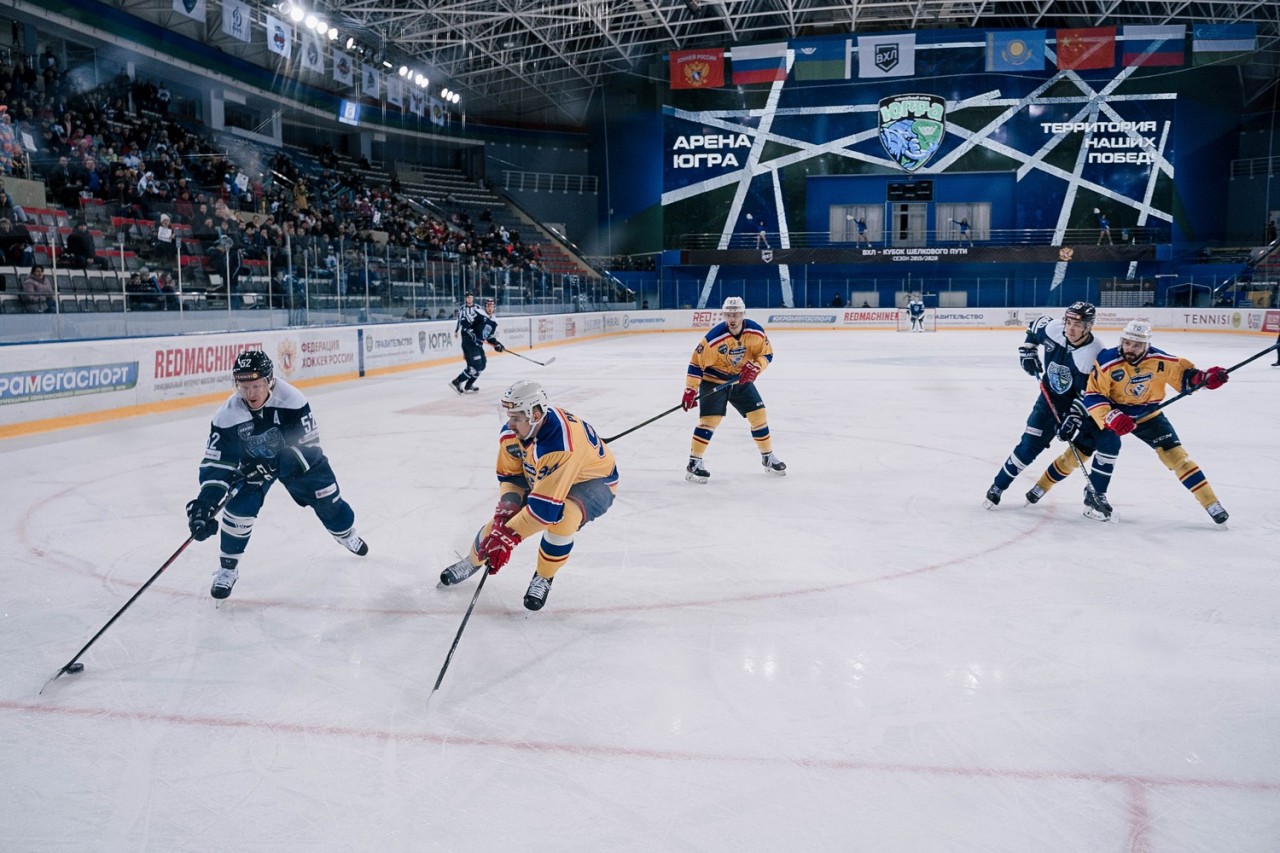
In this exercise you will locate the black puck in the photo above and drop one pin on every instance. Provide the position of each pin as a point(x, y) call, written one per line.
point(75, 667)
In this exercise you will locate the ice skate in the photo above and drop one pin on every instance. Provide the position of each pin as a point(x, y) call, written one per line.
point(1217, 513)
point(353, 543)
point(458, 572)
point(1097, 506)
point(536, 595)
point(455, 385)
point(224, 579)
point(694, 472)
point(993, 497)
point(470, 387)
point(773, 464)
point(1035, 495)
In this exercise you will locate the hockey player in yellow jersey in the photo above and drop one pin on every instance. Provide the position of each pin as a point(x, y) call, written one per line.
point(1125, 389)
point(554, 476)
point(735, 351)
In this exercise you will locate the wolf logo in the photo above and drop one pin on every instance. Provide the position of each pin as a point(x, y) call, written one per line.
point(912, 128)
point(422, 341)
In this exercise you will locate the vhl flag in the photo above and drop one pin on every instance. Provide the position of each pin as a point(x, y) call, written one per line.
point(191, 8)
point(887, 56)
point(279, 37)
point(395, 91)
point(438, 113)
point(417, 103)
point(235, 19)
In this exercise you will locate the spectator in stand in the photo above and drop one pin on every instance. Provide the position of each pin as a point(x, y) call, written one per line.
point(163, 97)
point(81, 251)
point(37, 292)
point(164, 244)
point(15, 243)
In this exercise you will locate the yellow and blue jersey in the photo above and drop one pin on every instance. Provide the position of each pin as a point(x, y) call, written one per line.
point(564, 451)
point(1135, 389)
point(720, 354)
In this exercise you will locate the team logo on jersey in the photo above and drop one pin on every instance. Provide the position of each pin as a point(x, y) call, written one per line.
point(1117, 375)
point(1059, 376)
point(287, 356)
point(912, 128)
point(1139, 385)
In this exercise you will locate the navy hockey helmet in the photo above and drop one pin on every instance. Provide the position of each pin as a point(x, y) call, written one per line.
point(1084, 311)
point(253, 364)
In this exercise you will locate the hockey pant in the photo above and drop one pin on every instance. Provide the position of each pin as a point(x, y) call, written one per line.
point(712, 409)
point(316, 487)
point(1036, 436)
point(585, 502)
point(476, 362)
point(1158, 434)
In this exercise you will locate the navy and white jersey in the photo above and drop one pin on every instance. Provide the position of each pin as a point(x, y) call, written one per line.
point(1066, 367)
point(466, 316)
point(915, 308)
point(480, 328)
point(282, 433)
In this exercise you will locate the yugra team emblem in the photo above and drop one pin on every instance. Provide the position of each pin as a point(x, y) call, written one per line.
point(912, 128)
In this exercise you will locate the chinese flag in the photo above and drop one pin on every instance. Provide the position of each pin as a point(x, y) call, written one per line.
point(1080, 50)
point(697, 69)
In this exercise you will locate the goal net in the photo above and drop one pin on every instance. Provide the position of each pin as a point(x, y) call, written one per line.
point(929, 323)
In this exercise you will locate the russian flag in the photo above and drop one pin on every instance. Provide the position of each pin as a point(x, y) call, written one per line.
point(1160, 45)
point(759, 63)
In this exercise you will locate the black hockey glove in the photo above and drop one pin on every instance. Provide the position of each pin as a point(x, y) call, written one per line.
point(1030, 360)
point(258, 473)
point(200, 520)
point(497, 346)
point(1071, 424)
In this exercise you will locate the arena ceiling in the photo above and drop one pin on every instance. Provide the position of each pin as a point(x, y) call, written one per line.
point(548, 61)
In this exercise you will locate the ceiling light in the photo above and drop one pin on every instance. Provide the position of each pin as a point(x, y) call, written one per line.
point(295, 14)
point(404, 71)
point(311, 22)
point(351, 42)
point(333, 33)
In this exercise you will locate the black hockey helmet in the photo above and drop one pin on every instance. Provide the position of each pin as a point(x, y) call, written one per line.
point(253, 364)
point(1084, 311)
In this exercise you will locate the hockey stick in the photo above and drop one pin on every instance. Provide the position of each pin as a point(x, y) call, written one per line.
point(674, 408)
point(534, 360)
point(67, 667)
point(1177, 397)
point(449, 657)
point(1053, 410)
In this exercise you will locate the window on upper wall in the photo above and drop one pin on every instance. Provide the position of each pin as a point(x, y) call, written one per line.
point(950, 215)
point(843, 219)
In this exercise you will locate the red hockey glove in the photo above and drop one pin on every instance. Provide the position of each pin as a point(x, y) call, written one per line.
point(1214, 377)
point(1119, 423)
point(497, 547)
point(690, 399)
point(503, 512)
point(749, 372)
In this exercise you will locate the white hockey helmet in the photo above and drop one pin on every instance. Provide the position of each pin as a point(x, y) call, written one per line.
point(1138, 331)
point(524, 396)
point(734, 303)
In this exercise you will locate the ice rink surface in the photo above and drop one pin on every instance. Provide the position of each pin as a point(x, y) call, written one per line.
point(856, 657)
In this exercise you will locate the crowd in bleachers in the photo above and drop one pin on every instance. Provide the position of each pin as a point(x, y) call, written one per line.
point(134, 184)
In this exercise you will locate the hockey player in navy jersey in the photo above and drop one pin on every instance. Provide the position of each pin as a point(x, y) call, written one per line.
point(476, 327)
point(1124, 392)
point(915, 310)
point(1069, 352)
point(264, 432)
point(554, 476)
point(736, 350)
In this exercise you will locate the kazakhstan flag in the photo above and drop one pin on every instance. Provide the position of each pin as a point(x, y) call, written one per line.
point(1015, 50)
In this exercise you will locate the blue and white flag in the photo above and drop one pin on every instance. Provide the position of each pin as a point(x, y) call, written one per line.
point(312, 53)
point(370, 81)
point(343, 68)
point(1015, 50)
point(236, 21)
